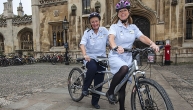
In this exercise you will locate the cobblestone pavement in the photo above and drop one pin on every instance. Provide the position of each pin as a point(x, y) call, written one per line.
point(181, 80)
point(18, 81)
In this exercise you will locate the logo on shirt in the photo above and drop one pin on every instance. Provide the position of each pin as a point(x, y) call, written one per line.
point(131, 32)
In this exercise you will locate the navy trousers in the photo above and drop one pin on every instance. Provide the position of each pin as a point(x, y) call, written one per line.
point(91, 74)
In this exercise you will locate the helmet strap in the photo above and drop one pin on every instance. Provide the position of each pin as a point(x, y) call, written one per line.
point(124, 21)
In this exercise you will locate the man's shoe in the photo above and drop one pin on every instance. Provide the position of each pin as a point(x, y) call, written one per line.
point(96, 106)
point(85, 93)
point(112, 98)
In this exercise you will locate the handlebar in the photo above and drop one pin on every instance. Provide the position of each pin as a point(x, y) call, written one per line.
point(132, 50)
point(137, 49)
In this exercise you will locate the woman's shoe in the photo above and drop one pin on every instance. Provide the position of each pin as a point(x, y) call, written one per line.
point(112, 98)
point(96, 106)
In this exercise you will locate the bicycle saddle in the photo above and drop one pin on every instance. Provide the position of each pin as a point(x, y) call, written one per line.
point(103, 61)
point(79, 59)
point(101, 58)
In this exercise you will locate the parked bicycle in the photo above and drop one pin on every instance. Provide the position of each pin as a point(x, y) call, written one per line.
point(70, 59)
point(146, 93)
point(4, 61)
point(57, 58)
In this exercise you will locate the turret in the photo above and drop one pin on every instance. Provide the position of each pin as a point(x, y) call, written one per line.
point(8, 9)
point(20, 11)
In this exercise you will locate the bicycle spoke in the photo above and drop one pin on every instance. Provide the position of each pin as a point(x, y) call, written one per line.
point(153, 96)
point(75, 82)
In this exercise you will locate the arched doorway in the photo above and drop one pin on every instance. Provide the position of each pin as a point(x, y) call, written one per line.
point(144, 26)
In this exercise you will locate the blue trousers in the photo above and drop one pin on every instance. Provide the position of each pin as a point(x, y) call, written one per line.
point(91, 74)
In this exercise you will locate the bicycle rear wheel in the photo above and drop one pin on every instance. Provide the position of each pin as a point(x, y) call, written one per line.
point(75, 83)
point(53, 60)
point(153, 95)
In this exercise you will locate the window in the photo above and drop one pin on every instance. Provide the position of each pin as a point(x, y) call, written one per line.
point(1, 44)
point(26, 41)
point(189, 1)
point(189, 24)
point(57, 35)
point(86, 6)
point(73, 12)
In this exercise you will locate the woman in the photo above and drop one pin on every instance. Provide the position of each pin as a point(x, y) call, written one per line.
point(93, 44)
point(122, 35)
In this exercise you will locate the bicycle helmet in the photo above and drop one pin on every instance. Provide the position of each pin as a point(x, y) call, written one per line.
point(94, 14)
point(122, 4)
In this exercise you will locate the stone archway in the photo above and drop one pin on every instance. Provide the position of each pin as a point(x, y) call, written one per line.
point(25, 39)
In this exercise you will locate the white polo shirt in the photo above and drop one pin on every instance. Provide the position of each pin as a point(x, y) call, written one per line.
point(125, 37)
point(95, 43)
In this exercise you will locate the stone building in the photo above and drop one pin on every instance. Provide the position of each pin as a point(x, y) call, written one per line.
point(42, 32)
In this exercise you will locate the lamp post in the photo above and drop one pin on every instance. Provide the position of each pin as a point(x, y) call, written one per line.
point(65, 27)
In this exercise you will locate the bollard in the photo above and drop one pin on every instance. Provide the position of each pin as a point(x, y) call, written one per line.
point(176, 59)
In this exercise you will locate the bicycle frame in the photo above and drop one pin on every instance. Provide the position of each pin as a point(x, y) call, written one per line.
point(132, 71)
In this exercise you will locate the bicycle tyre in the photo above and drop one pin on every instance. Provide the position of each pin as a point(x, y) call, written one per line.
point(160, 94)
point(53, 61)
point(4, 63)
point(75, 83)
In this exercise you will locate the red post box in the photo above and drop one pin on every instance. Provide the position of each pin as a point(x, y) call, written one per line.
point(167, 54)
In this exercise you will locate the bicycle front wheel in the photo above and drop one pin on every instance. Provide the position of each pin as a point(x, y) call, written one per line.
point(153, 96)
point(75, 83)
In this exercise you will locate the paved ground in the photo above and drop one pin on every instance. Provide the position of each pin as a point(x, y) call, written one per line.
point(180, 77)
point(43, 87)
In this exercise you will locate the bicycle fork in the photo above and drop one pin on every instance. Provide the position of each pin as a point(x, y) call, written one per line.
point(140, 90)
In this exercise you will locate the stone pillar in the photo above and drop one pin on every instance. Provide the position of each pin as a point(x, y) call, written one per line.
point(36, 25)
point(9, 41)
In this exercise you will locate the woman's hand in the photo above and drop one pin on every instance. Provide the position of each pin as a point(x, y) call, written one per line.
point(154, 46)
point(120, 50)
point(87, 58)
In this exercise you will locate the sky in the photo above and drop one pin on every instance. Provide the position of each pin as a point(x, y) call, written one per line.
point(25, 3)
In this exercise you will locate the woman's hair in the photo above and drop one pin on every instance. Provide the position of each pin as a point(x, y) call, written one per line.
point(130, 20)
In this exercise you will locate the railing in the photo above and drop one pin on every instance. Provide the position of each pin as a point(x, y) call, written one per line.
point(50, 1)
point(175, 59)
point(27, 45)
point(189, 1)
point(183, 56)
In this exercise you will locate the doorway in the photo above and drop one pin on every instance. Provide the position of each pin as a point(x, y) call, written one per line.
point(144, 26)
